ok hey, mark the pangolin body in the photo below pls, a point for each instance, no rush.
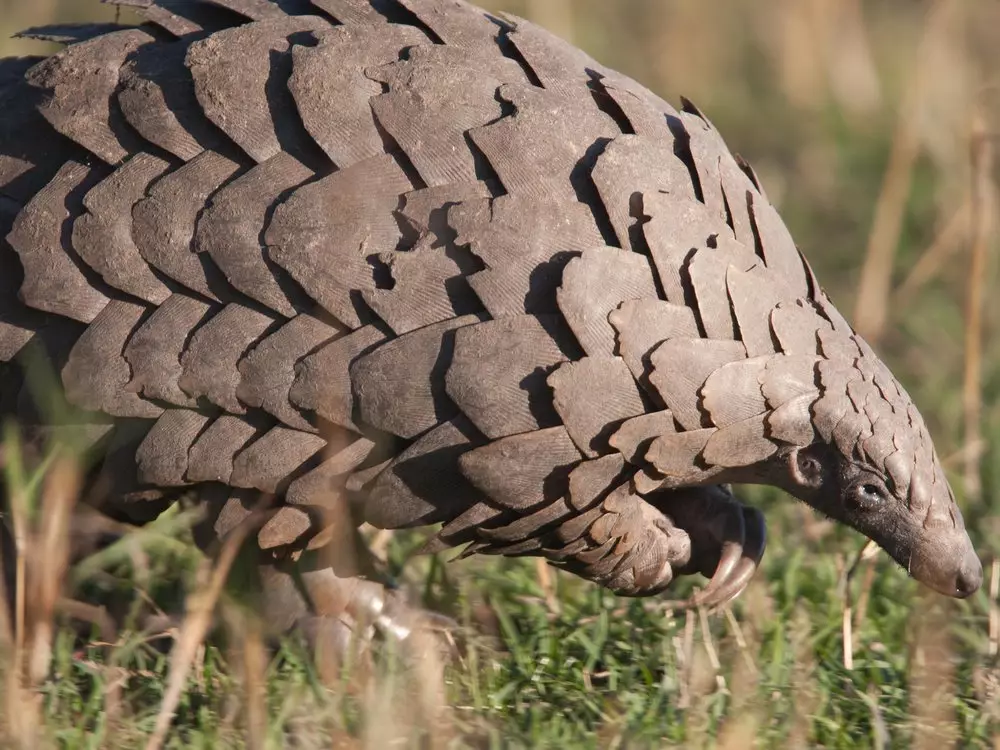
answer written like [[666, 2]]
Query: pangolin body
[[445, 268]]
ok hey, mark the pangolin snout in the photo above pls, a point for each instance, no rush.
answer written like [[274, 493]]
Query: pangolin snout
[[969, 577], [950, 569]]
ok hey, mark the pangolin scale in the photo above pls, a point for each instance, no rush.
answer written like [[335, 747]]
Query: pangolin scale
[[433, 266]]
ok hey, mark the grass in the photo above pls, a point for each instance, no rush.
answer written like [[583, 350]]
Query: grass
[[603, 671], [564, 664]]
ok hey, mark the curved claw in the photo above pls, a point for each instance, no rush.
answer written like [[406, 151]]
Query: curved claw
[[733, 542], [370, 612], [738, 562], [743, 573], [400, 620], [391, 615]]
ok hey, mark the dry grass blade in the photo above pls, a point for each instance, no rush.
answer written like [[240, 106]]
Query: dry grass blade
[[982, 204], [251, 653], [880, 729], [547, 585], [741, 642], [847, 629], [20, 709], [932, 681], [994, 616], [807, 699], [411, 703], [747, 712], [867, 552], [424, 651], [854, 80], [6, 552], [49, 557], [255, 672], [710, 651], [934, 258], [20, 511], [200, 605], [704, 679], [872, 307], [684, 648], [861, 608], [6, 627], [41, 538]]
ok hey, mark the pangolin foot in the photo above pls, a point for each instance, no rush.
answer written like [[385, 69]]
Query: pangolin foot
[[349, 615], [724, 533], [742, 550]]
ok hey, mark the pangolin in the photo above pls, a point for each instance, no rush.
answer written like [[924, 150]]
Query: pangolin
[[432, 266]]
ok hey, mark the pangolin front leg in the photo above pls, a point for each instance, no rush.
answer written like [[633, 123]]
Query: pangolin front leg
[[728, 540], [637, 545]]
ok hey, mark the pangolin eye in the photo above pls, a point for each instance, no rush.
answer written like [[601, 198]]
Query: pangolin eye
[[868, 496]]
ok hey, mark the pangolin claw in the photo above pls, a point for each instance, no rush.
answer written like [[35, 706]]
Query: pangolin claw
[[392, 616], [753, 552], [743, 545], [733, 541]]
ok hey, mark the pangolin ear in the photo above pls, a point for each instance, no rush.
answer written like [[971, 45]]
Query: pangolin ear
[[806, 468]]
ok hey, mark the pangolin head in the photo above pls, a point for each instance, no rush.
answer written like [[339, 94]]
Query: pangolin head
[[873, 467]]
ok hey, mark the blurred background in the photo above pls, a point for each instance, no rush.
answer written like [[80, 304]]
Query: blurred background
[[871, 124]]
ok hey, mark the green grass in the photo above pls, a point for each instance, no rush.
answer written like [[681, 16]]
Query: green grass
[[602, 672]]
